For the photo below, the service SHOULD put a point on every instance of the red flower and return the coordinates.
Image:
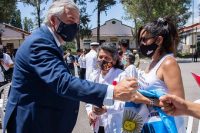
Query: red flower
(114, 83)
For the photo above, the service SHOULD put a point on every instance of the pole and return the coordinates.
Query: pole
(192, 27)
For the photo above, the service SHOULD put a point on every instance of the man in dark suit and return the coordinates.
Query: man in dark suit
(44, 97)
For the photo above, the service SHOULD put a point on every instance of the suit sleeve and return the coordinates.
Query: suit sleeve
(49, 67)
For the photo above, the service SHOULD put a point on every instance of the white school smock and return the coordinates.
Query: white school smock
(91, 62)
(82, 61)
(5, 62)
(112, 119)
(131, 71)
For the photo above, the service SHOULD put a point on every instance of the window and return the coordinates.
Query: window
(113, 22)
(86, 42)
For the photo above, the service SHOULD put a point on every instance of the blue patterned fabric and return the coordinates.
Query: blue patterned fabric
(166, 125)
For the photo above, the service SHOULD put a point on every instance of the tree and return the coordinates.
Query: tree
(7, 8)
(144, 11)
(28, 24)
(38, 11)
(102, 6)
(84, 30)
(16, 19)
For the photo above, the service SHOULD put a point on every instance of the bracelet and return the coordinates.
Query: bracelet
(152, 102)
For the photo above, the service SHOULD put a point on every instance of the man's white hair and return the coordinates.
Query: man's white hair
(57, 8)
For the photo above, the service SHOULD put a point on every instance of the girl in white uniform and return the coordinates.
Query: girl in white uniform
(107, 119)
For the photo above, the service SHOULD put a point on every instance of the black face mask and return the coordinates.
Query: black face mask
(148, 50)
(67, 31)
(105, 65)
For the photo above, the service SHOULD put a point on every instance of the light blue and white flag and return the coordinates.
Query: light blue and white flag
(139, 118)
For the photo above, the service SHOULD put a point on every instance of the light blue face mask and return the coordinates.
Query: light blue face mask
(124, 62)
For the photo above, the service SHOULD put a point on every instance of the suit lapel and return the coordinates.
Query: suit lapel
(59, 49)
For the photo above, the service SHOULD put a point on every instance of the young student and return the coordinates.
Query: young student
(106, 119)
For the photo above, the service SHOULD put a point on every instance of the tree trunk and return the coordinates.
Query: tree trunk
(98, 21)
(136, 33)
(78, 39)
(0, 38)
(38, 12)
(78, 34)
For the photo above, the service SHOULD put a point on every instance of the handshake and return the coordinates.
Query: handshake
(125, 90)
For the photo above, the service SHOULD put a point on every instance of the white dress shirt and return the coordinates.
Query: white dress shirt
(91, 62)
(112, 119)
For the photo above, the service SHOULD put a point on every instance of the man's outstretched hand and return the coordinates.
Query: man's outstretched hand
(125, 90)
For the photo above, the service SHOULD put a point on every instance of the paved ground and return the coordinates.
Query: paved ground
(192, 92)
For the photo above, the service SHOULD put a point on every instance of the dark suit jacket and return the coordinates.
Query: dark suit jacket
(44, 97)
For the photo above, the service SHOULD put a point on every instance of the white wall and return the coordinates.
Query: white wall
(109, 31)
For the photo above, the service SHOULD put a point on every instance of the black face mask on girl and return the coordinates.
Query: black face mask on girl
(105, 65)
(148, 50)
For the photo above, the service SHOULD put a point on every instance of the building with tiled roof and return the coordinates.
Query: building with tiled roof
(189, 37)
(11, 37)
(112, 31)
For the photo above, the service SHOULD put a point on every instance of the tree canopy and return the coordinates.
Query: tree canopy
(147, 10)
(102, 6)
(28, 24)
(7, 9)
(38, 9)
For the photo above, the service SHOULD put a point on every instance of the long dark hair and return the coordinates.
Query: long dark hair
(165, 28)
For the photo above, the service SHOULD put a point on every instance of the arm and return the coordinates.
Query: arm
(47, 64)
(171, 75)
(174, 105)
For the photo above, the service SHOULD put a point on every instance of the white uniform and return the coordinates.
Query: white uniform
(91, 62)
(82, 61)
(112, 119)
(5, 62)
(131, 71)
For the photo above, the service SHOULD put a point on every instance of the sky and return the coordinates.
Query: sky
(116, 12)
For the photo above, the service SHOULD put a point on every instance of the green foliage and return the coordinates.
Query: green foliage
(102, 6)
(84, 20)
(184, 55)
(148, 10)
(16, 19)
(143, 11)
(84, 30)
(38, 9)
(7, 9)
(68, 45)
(27, 24)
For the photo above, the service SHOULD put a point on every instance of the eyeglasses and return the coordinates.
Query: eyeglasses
(145, 39)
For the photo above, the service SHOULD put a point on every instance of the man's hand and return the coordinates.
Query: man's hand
(174, 105)
(125, 90)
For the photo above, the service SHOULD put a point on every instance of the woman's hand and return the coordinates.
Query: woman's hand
(92, 118)
(139, 98)
(99, 111)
